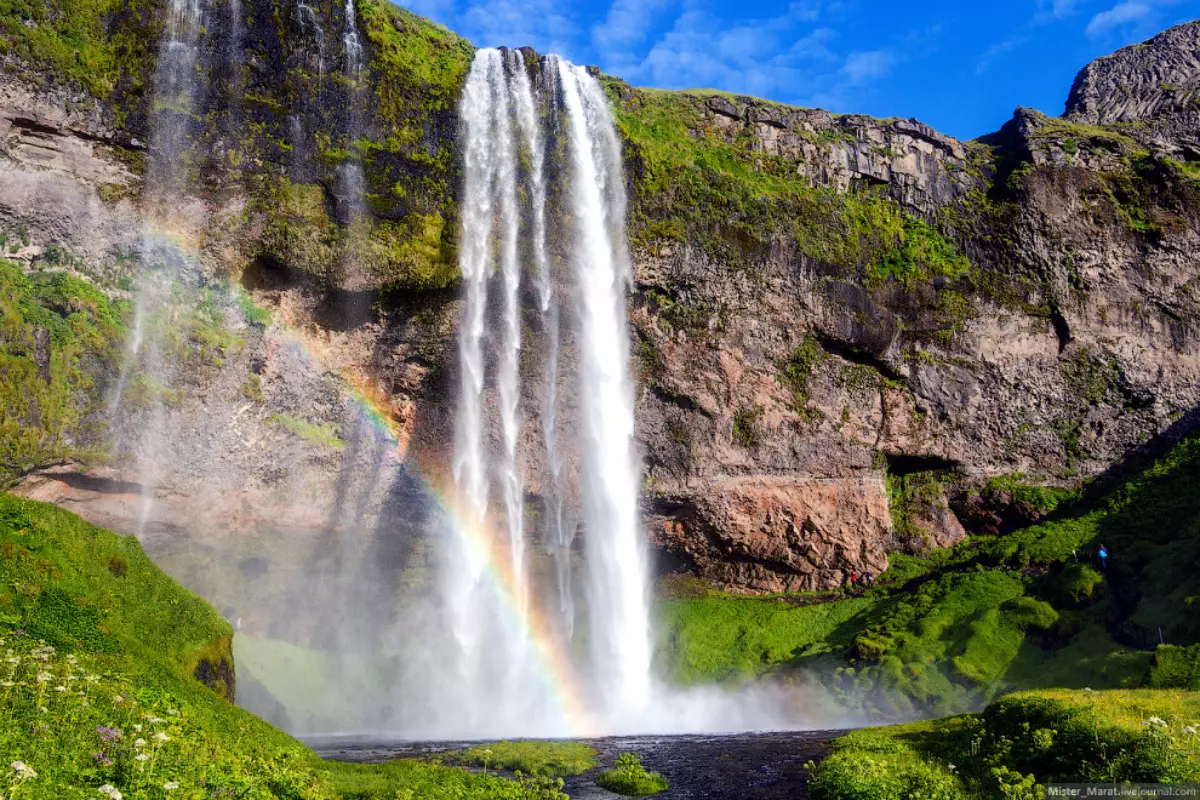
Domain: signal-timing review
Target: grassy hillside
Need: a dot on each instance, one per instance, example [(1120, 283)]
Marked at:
[(1019, 744), (946, 633), (101, 685)]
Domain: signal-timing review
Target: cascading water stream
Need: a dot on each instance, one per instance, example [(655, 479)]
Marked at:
[(617, 593), (505, 177), (177, 92), (351, 42)]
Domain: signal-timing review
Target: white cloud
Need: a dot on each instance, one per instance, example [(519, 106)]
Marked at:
[(1119, 15), (1058, 9), (789, 57), (626, 26), (1134, 16)]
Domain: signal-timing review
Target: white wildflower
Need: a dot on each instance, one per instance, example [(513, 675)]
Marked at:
[(111, 791), (141, 757), (43, 676), (23, 771), (1190, 730), (92, 679), (60, 688), (118, 699), (172, 712), (138, 728), (170, 786), (7, 684), (161, 737), (1156, 722), (139, 742)]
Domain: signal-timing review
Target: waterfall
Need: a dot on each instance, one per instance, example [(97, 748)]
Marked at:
[(351, 42), (507, 225), (352, 184), (617, 572), (177, 94)]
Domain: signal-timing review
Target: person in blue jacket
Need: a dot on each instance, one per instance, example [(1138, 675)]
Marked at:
[(1103, 557)]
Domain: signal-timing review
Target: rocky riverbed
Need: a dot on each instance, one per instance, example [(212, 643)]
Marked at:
[(751, 766)]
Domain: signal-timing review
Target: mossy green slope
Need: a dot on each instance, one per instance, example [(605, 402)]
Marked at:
[(1019, 744), (945, 633), (733, 201), (105, 47), (58, 336), (99, 686)]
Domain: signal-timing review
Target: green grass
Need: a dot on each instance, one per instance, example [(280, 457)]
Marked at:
[(735, 639), (415, 780), (1020, 743), (84, 609), (552, 759), (630, 778)]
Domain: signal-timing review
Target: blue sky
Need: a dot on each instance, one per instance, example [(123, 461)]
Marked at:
[(961, 67)]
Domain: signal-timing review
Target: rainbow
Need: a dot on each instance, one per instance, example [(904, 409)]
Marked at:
[(558, 673)]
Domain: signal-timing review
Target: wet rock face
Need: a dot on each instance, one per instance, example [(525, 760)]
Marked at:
[(1156, 83)]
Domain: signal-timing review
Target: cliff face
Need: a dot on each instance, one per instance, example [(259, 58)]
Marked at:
[(1153, 87), (846, 329)]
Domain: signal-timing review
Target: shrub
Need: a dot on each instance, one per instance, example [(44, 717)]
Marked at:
[(745, 426), (629, 777)]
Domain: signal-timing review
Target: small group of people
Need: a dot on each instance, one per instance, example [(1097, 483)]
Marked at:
[(853, 582)]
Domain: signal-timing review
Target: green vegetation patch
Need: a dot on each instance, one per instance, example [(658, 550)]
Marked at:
[(323, 434), (99, 689), (796, 372), (95, 44), (553, 759), (59, 336), (709, 639), (1019, 744), (630, 778), (1176, 668)]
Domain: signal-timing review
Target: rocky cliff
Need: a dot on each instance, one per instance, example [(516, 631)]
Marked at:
[(854, 336)]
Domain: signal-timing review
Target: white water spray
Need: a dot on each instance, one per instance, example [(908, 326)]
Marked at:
[(351, 42)]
